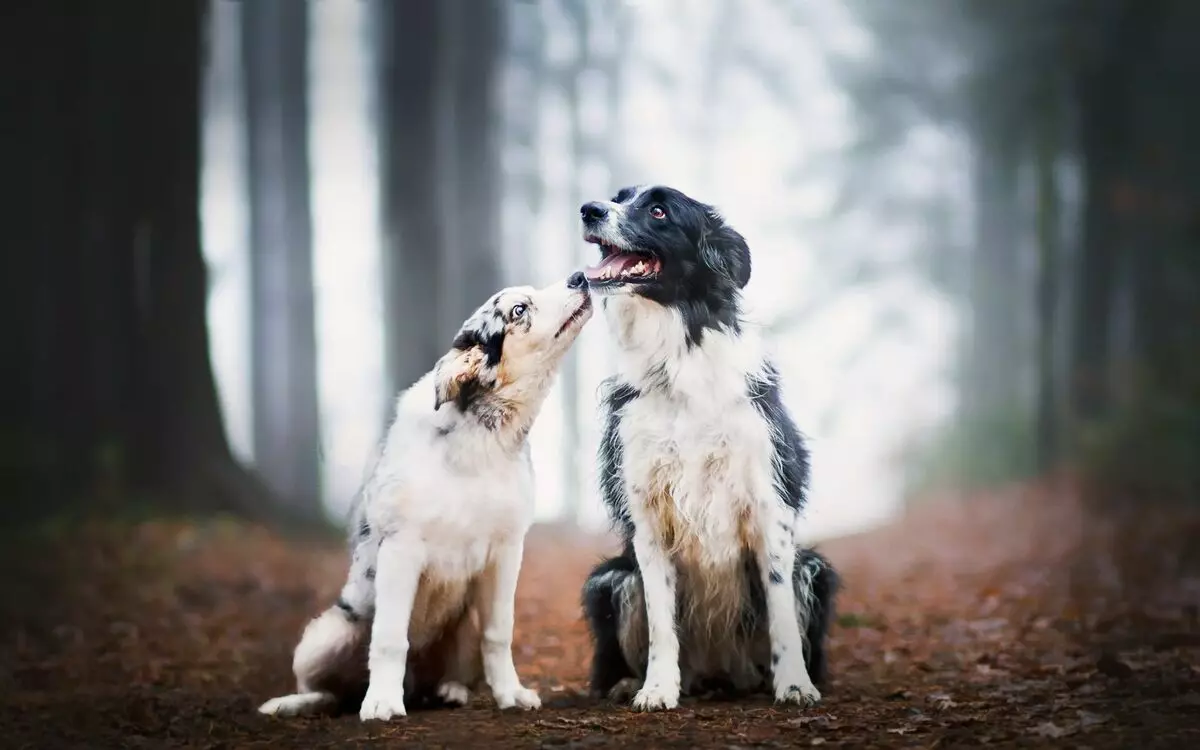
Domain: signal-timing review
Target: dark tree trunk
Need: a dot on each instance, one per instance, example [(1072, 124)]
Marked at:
[(438, 69), (1103, 94), (283, 338), (407, 46), (115, 391)]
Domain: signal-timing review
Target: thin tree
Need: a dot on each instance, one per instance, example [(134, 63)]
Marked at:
[(406, 56), (283, 337)]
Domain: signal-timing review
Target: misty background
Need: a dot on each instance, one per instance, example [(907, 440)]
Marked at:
[(973, 224), (236, 229), (592, 97)]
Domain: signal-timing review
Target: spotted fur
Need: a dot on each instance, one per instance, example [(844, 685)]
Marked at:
[(437, 533)]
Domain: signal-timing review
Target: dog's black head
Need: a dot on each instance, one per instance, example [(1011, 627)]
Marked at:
[(659, 244)]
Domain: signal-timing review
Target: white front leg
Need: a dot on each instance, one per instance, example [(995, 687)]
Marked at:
[(661, 688), (397, 575), (777, 562), (496, 600)]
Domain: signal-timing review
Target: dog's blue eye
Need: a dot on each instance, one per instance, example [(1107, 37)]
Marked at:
[(517, 311)]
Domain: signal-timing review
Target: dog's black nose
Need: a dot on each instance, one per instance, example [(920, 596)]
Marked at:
[(577, 281), (593, 211)]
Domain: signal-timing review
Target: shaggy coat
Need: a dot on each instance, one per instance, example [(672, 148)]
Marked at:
[(438, 531), (702, 470)]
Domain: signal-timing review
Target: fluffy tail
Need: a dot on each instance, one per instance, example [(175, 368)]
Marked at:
[(817, 585), (330, 663)]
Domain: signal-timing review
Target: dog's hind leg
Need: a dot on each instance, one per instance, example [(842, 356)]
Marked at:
[(330, 661), (615, 611), (816, 584), (463, 661)]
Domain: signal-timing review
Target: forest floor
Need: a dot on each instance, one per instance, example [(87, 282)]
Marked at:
[(1008, 621)]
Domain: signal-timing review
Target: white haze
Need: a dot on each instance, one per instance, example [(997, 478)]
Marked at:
[(856, 388)]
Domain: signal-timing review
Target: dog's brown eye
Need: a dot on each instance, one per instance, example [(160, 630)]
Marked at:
[(658, 212), (517, 311)]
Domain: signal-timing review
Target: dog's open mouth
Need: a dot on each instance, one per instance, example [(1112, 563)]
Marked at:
[(619, 266), (575, 316)]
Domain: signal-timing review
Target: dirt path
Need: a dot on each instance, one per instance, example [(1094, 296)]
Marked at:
[(956, 629)]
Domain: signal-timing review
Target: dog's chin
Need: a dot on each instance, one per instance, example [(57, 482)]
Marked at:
[(574, 322)]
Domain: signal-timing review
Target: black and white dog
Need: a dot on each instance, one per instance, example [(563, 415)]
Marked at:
[(701, 467), (438, 533)]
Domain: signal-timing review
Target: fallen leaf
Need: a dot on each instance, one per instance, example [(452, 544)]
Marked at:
[(1052, 730), (1087, 719)]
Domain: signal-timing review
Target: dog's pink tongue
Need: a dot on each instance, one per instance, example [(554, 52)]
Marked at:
[(615, 263)]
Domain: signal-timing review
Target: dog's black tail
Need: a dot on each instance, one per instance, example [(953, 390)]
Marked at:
[(816, 585), (602, 606)]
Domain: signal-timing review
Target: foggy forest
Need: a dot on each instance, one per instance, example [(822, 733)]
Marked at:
[(241, 227)]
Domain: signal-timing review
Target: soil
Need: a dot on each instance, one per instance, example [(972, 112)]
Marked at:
[(1008, 620)]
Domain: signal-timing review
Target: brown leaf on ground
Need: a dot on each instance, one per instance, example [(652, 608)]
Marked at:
[(1010, 620)]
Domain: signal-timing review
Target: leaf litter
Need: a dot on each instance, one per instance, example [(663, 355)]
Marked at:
[(1010, 619)]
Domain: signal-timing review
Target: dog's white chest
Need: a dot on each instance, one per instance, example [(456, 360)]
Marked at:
[(698, 473)]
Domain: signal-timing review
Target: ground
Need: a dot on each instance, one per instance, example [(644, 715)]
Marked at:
[(1005, 620)]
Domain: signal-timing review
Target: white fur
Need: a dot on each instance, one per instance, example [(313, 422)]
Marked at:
[(694, 439), (446, 510)]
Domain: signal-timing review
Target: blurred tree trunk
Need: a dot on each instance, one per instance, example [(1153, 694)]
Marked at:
[(114, 393), (575, 82), (528, 82), (471, 38), (287, 445), (438, 68), (1049, 211), (992, 368), (407, 43), (1103, 93)]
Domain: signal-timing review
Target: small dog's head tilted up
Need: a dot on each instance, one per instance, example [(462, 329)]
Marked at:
[(506, 354), (445, 507), (660, 245)]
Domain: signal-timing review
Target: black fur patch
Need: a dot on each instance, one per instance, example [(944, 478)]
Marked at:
[(791, 464), (612, 487), (347, 610), (491, 343), (602, 607)]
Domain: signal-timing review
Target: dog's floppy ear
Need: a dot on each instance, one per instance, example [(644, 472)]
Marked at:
[(460, 376), (723, 248)]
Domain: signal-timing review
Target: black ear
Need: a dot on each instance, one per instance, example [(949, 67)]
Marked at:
[(725, 251)]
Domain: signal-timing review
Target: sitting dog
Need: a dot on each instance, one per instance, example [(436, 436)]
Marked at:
[(438, 531), (701, 468)]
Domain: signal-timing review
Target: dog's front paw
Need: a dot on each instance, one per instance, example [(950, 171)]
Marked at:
[(801, 693), (519, 697), (382, 703), (656, 697), (454, 693)]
